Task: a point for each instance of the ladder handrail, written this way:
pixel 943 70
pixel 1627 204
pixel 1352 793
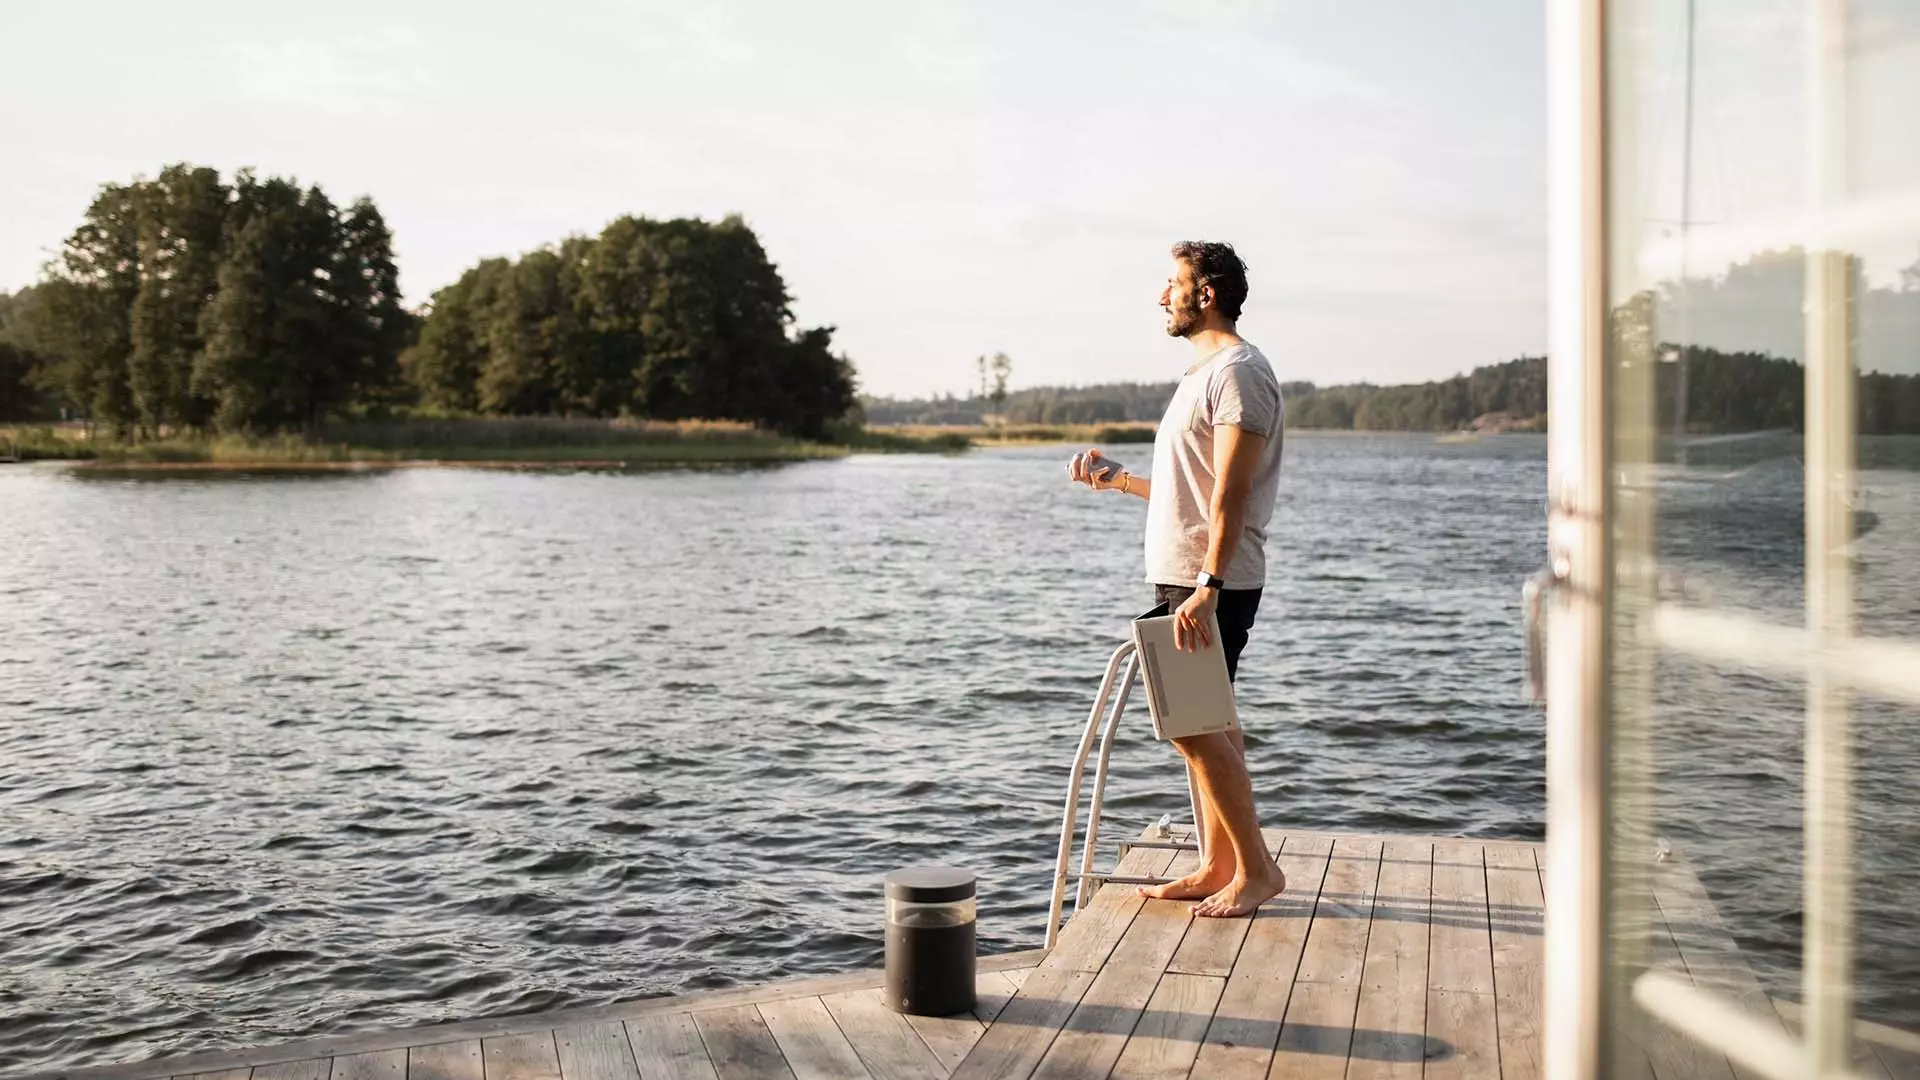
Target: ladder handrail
pixel 1124 652
pixel 1100 779
pixel 1124 655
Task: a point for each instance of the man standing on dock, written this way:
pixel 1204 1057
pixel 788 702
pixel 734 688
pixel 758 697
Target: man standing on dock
pixel 1216 476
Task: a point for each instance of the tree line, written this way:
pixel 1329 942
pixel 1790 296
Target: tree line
pixel 1745 327
pixel 1726 392
pixel 191 303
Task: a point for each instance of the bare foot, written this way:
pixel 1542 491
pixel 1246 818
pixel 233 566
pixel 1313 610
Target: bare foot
pixel 1243 895
pixel 1201 883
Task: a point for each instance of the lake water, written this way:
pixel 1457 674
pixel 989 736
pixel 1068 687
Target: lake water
pixel 294 755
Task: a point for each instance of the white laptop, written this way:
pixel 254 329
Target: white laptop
pixel 1187 692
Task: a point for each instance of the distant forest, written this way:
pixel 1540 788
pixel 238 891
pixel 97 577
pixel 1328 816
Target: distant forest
pixel 1726 392
pixel 1746 330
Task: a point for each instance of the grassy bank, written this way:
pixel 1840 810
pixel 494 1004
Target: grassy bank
pixel 528 441
pixel 536 442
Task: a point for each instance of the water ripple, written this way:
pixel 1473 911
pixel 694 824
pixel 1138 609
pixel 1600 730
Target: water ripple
pixel 290 758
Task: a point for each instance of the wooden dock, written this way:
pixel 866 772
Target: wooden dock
pixel 1387 957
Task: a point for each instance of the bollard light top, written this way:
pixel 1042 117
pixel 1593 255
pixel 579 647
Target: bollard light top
pixel 930 884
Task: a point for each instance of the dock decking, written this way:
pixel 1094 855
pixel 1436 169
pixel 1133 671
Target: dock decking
pixel 1388 957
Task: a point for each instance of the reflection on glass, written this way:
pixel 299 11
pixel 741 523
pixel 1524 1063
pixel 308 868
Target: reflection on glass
pixel 1744 164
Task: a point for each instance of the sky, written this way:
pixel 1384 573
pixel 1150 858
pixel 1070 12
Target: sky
pixel 936 180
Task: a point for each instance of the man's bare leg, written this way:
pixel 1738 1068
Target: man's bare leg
pixel 1215 873
pixel 1218 871
pixel 1221 769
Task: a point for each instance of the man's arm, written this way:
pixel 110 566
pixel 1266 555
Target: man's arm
pixel 1128 483
pixel 1236 458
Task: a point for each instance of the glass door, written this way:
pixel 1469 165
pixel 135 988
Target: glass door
pixel 1732 601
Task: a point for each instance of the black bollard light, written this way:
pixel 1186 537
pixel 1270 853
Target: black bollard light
pixel 930 924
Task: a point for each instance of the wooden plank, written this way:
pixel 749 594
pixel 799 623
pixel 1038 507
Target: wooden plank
pixel 887 1043
pixel 1463 1037
pixel 446 1061
pixel 241 1073
pixel 668 1046
pixel 1516 913
pixel 740 1045
pixel 1018 976
pixel 488 1027
pixel 1898 1051
pixel 1167 1039
pixel 1097 1031
pixel 1273 836
pixel 521 1057
pixel 1711 959
pixel 1246 1025
pixel 1670 1055
pixel 1866 1064
pixel 596 1052
pixel 310 1069
pixel 991 992
pixel 814 1045
pixel 1318 1031
pixel 378 1065
pixel 949 1037
pixel 1901 1064
pixel 1018 1038
pixel 1089 937
pixel 1390 1020
pixel 1211 944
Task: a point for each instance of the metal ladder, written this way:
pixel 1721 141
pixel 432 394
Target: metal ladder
pixel 1088 877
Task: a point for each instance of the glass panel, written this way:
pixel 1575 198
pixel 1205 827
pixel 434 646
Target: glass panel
pixel 1725 173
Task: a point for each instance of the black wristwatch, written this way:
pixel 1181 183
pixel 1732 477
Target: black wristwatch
pixel 1204 580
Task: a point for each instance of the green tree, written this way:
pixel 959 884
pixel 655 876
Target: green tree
pixel 1002 365
pixel 22 397
pixel 307 318
pixel 526 332
pixel 83 319
pixel 615 281
pixel 814 387
pixel 254 320
pixel 713 329
pixel 373 326
pixel 181 221
pixel 580 386
pixel 454 338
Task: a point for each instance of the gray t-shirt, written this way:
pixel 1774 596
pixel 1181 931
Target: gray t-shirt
pixel 1234 386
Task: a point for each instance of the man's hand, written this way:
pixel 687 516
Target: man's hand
pixel 1191 621
pixel 1087 468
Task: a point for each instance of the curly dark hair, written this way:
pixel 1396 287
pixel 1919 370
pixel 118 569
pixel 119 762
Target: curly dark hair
pixel 1216 265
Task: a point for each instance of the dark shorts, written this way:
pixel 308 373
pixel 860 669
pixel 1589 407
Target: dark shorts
pixel 1236 611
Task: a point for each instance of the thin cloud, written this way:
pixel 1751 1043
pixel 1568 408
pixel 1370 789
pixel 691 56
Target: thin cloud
pixel 385 74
